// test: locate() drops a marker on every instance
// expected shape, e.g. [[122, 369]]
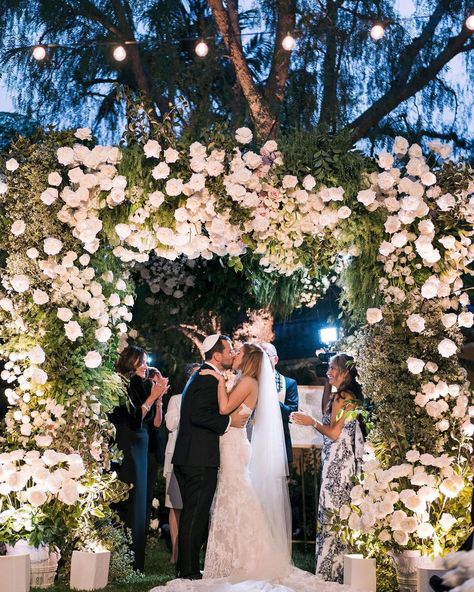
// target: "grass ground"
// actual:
[[158, 569]]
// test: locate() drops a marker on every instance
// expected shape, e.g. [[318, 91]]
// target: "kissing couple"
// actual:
[[249, 542]]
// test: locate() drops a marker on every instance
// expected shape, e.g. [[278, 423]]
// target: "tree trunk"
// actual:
[[397, 94], [263, 107], [328, 113]]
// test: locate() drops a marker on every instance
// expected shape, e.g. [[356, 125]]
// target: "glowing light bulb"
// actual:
[[119, 53], [377, 32], [470, 22], [201, 49], [288, 42], [39, 52]]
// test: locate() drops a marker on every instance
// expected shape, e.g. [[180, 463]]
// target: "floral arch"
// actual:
[[76, 215]]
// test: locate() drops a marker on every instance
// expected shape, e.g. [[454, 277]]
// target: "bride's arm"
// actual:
[[229, 402]]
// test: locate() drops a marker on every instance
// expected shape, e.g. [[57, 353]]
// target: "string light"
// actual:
[[470, 22], [288, 42], [39, 52], [201, 49], [119, 53], [377, 32]]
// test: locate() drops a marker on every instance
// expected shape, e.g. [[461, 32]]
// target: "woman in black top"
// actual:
[[133, 420]]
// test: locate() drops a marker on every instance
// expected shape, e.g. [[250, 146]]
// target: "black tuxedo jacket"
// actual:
[[288, 406], [201, 424]]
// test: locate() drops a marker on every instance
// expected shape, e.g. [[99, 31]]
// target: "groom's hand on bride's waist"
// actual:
[[237, 420]]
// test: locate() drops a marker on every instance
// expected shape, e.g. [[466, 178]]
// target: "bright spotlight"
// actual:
[[119, 53], [470, 22], [288, 42], [201, 49], [377, 32], [39, 52], [328, 335]]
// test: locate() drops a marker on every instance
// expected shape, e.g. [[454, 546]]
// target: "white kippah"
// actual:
[[210, 342]]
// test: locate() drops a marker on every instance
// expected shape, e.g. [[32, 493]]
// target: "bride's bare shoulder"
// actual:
[[249, 382]]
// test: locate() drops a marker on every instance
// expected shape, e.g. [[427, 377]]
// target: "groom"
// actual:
[[196, 455]]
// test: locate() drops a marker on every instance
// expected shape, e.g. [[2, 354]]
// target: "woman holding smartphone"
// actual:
[[133, 420]]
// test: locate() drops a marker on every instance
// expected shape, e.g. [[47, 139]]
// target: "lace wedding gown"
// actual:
[[240, 554]]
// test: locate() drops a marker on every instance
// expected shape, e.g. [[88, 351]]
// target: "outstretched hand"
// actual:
[[301, 418]]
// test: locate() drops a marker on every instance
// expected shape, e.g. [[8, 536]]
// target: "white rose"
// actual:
[[197, 150], [36, 496], [156, 199], [154, 524], [43, 441], [447, 348], [385, 181], [39, 376], [52, 246], [243, 135], [447, 521], [385, 160], [415, 503], [466, 319], [344, 212], [40, 297], [367, 197], [428, 179], [309, 182], [161, 171], [73, 330], [289, 181], [18, 227], [446, 202], [174, 187], [103, 334], [123, 231], [37, 355], [415, 365], [3, 188], [412, 456], [171, 155], [64, 314], [83, 133], [92, 359], [69, 492], [431, 367], [425, 530], [449, 320], [270, 146], [416, 323], [32, 253], [373, 315], [11, 165], [6, 304], [400, 146], [400, 537], [152, 149], [20, 282]]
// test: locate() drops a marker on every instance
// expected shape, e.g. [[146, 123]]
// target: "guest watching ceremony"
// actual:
[[133, 421], [173, 499], [287, 390], [341, 458]]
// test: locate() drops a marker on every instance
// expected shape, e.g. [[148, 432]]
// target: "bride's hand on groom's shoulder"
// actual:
[[213, 373]]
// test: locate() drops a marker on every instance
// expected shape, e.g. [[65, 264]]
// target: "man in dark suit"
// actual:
[[287, 393], [196, 454]]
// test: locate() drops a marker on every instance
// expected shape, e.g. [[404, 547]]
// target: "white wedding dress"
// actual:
[[248, 548]]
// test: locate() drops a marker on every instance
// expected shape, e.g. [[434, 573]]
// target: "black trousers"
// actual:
[[134, 468], [197, 486]]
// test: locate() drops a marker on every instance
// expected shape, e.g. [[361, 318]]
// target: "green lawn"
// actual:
[[158, 570]]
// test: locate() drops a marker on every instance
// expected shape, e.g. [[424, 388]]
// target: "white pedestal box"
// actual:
[[424, 575], [15, 573], [360, 573], [89, 571]]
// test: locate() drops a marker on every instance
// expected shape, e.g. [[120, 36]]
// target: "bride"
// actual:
[[249, 544]]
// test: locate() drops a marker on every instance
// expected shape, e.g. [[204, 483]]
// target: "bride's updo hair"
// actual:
[[252, 360]]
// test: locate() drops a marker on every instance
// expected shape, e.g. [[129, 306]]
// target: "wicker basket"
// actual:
[[43, 573]]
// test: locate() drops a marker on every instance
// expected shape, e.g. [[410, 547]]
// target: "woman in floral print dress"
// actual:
[[341, 457]]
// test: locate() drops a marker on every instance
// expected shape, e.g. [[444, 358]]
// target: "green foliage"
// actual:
[[329, 158]]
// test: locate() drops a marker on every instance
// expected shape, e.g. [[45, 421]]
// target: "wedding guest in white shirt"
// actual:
[[173, 499]]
